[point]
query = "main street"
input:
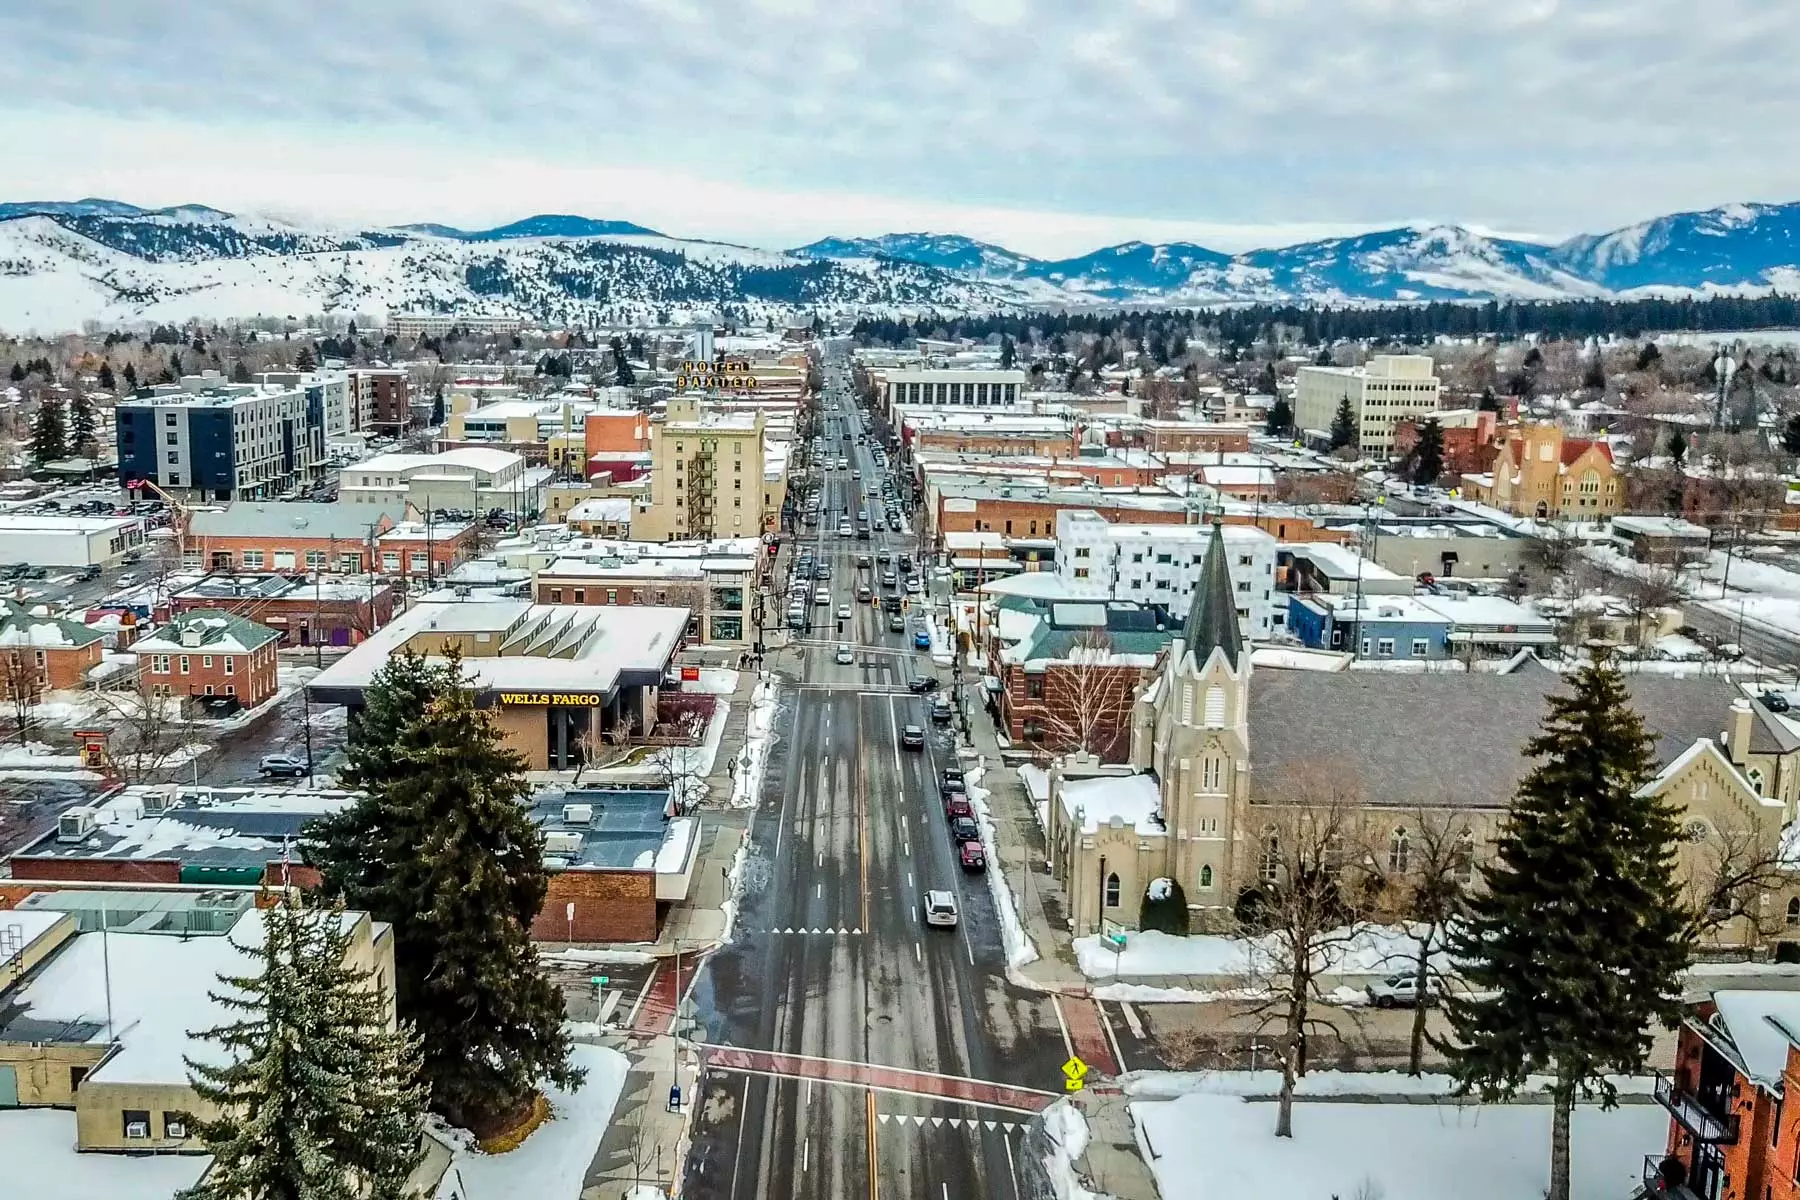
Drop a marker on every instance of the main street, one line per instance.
(852, 1050)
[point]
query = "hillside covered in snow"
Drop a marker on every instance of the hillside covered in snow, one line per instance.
(65, 263)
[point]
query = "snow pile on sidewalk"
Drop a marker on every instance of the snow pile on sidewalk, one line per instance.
(746, 781)
(553, 1161)
(714, 681)
(941, 653)
(734, 876)
(1216, 1147)
(1166, 1085)
(1375, 950)
(1068, 1134)
(1019, 949)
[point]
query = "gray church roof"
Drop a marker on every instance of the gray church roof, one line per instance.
(1412, 740)
(1212, 622)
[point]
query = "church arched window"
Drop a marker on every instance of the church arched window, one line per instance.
(1793, 912)
(1399, 851)
(1206, 875)
(1269, 868)
(1112, 890)
(1215, 707)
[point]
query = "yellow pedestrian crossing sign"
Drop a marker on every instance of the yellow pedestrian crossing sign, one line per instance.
(1074, 1073)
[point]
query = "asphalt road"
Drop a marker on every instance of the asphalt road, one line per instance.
(853, 1051)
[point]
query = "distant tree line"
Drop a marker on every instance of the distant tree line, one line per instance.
(1312, 325)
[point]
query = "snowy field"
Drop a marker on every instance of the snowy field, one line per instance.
(554, 1160)
(37, 1149)
(1219, 1147)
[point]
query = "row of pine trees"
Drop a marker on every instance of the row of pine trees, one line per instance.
(316, 1097)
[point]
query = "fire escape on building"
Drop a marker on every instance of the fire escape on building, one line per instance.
(700, 490)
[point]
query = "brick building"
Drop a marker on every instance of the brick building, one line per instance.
(336, 538)
(1069, 683)
(971, 504)
(209, 652)
(1468, 443)
(1537, 471)
(1730, 1134)
(1181, 436)
(329, 610)
(381, 398)
(41, 653)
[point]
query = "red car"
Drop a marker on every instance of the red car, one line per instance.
(972, 856)
(957, 805)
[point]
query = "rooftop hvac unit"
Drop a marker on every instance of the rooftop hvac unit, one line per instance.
(75, 824)
(562, 845)
(578, 814)
(158, 800)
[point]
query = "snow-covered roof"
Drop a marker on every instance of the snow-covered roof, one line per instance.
(1762, 1025)
(1134, 799)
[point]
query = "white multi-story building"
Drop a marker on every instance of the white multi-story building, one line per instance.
(1390, 388)
(336, 396)
(968, 389)
(1160, 564)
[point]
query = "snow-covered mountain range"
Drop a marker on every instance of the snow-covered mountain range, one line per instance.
(63, 263)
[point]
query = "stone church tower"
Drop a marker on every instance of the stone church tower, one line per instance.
(1191, 726)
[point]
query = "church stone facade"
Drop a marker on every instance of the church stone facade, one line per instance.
(1219, 754)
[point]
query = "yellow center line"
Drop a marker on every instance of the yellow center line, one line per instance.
(874, 1157)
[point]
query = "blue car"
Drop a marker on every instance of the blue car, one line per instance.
(921, 640)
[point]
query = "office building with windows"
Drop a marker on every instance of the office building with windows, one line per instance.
(208, 439)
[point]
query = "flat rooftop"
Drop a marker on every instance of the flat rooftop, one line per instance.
(216, 828)
(629, 830)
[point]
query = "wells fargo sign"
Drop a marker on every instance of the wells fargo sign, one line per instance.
(539, 699)
(721, 375)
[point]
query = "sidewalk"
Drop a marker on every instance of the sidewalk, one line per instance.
(1021, 855)
(1112, 1162)
(645, 1145)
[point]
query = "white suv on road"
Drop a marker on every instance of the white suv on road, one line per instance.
(940, 909)
(1401, 990)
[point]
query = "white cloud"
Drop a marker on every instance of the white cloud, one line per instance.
(1039, 123)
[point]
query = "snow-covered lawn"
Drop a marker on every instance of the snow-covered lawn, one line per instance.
(1372, 951)
(1219, 1147)
(35, 760)
(37, 1148)
(554, 1159)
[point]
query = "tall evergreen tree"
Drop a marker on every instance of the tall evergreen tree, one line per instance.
(1488, 402)
(17, 374)
(1576, 945)
(107, 380)
(1343, 425)
(84, 425)
(1324, 358)
(305, 360)
(130, 374)
(441, 846)
(316, 1097)
(1648, 357)
(1790, 435)
(1428, 456)
(1009, 352)
(1678, 445)
(49, 431)
(1281, 417)
(239, 372)
(622, 372)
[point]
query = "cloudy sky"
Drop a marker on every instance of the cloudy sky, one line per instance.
(1051, 125)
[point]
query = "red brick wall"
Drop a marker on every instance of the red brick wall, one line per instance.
(251, 678)
(993, 515)
(62, 670)
(610, 906)
(1102, 694)
(96, 870)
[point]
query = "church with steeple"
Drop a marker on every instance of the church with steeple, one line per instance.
(1174, 811)
(1215, 756)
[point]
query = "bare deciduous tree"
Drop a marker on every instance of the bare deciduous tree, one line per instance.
(1428, 865)
(1731, 873)
(1087, 698)
(1313, 902)
(147, 731)
(24, 686)
(1649, 592)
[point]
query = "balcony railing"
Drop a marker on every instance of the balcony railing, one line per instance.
(1656, 1188)
(1695, 1117)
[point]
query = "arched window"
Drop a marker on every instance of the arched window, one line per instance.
(1465, 858)
(1112, 891)
(1269, 869)
(1399, 851)
(1793, 914)
(1206, 877)
(1215, 707)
